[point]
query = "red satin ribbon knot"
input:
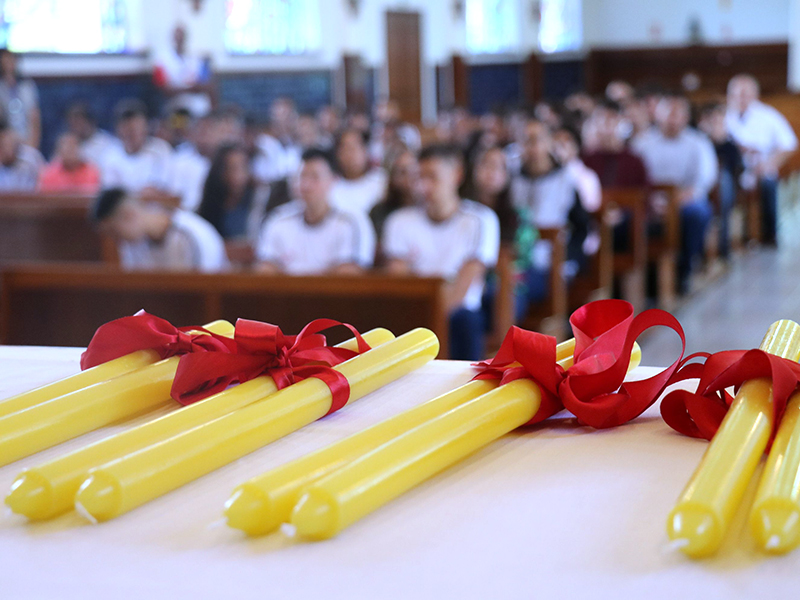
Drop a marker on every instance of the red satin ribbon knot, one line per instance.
(700, 413)
(144, 331)
(263, 349)
(592, 389)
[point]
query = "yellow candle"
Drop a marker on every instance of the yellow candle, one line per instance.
(44, 425)
(49, 489)
(702, 516)
(125, 483)
(775, 517)
(260, 505)
(103, 372)
(384, 472)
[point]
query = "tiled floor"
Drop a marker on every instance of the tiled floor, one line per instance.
(761, 286)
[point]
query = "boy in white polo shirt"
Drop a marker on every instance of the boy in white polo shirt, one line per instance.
(309, 236)
(150, 238)
(451, 238)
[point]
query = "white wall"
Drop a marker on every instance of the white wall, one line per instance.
(631, 22)
(606, 23)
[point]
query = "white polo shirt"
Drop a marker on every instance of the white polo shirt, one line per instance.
(151, 166)
(298, 248)
(440, 249)
(191, 244)
(761, 128)
(359, 195)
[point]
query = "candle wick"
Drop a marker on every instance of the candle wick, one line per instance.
(676, 545)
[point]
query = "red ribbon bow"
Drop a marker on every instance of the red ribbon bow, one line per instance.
(261, 348)
(144, 331)
(592, 389)
(699, 413)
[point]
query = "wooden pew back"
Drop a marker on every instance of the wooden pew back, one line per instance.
(62, 305)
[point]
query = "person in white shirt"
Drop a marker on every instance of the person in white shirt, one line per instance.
(447, 237)
(20, 164)
(183, 76)
(676, 154)
(309, 236)
(96, 144)
(766, 140)
(141, 164)
(359, 188)
(151, 238)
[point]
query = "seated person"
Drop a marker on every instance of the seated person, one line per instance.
(767, 141)
(19, 164)
(545, 196)
(95, 143)
(609, 157)
(141, 163)
(447, 237)
(69, 171)
(360, 187)
(232, 202)
(311, 237)
(402, 190)
(149, 237)
(729, 159)
(676, 154)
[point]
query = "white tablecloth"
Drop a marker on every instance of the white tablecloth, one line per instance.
(554, 511)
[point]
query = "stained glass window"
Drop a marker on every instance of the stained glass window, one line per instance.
(492, 26)
(272, 26)
(560, 27)
(74, 26)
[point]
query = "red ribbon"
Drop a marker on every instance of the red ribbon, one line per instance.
(263, 349)
(592, 389)
(144, 331)
(699, 413)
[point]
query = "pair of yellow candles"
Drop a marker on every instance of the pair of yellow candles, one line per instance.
(324, 492)
(124, 471)
(700, 520)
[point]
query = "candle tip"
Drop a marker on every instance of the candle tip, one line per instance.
(313, 517)
(30, 496)
(695, 530)
(248, 510)
(776, 526)
(98, 498)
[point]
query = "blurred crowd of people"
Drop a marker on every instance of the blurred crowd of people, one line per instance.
(342, 192)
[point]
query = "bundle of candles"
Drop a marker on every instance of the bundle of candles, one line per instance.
(248, 386)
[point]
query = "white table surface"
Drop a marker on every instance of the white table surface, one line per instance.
(555, 511)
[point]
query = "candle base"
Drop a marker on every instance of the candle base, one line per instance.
(314, 517)
(99, 498)
(31, 496)
(697, 529)
(248, 510)
(775, 524)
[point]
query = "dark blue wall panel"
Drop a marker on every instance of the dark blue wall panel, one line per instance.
(562, 78)
(492, 86)
(254, 92)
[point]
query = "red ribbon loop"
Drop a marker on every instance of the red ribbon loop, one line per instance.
(592, 389)
(144, 331)
(263, 349)
(700, 413)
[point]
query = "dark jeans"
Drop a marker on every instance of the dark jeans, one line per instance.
(769, 210)
(467, 334)
(727, 198)
(694, 221)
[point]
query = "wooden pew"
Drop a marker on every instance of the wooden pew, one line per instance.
(550, 315)
(63, 304)
(49, 227)
(664, 250)
(629, 267)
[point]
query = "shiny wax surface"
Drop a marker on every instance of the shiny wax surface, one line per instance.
(125, 483)
(698, 523)
(44, 425)
(47, 490)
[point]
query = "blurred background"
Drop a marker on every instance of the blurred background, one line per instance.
(463, 165)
